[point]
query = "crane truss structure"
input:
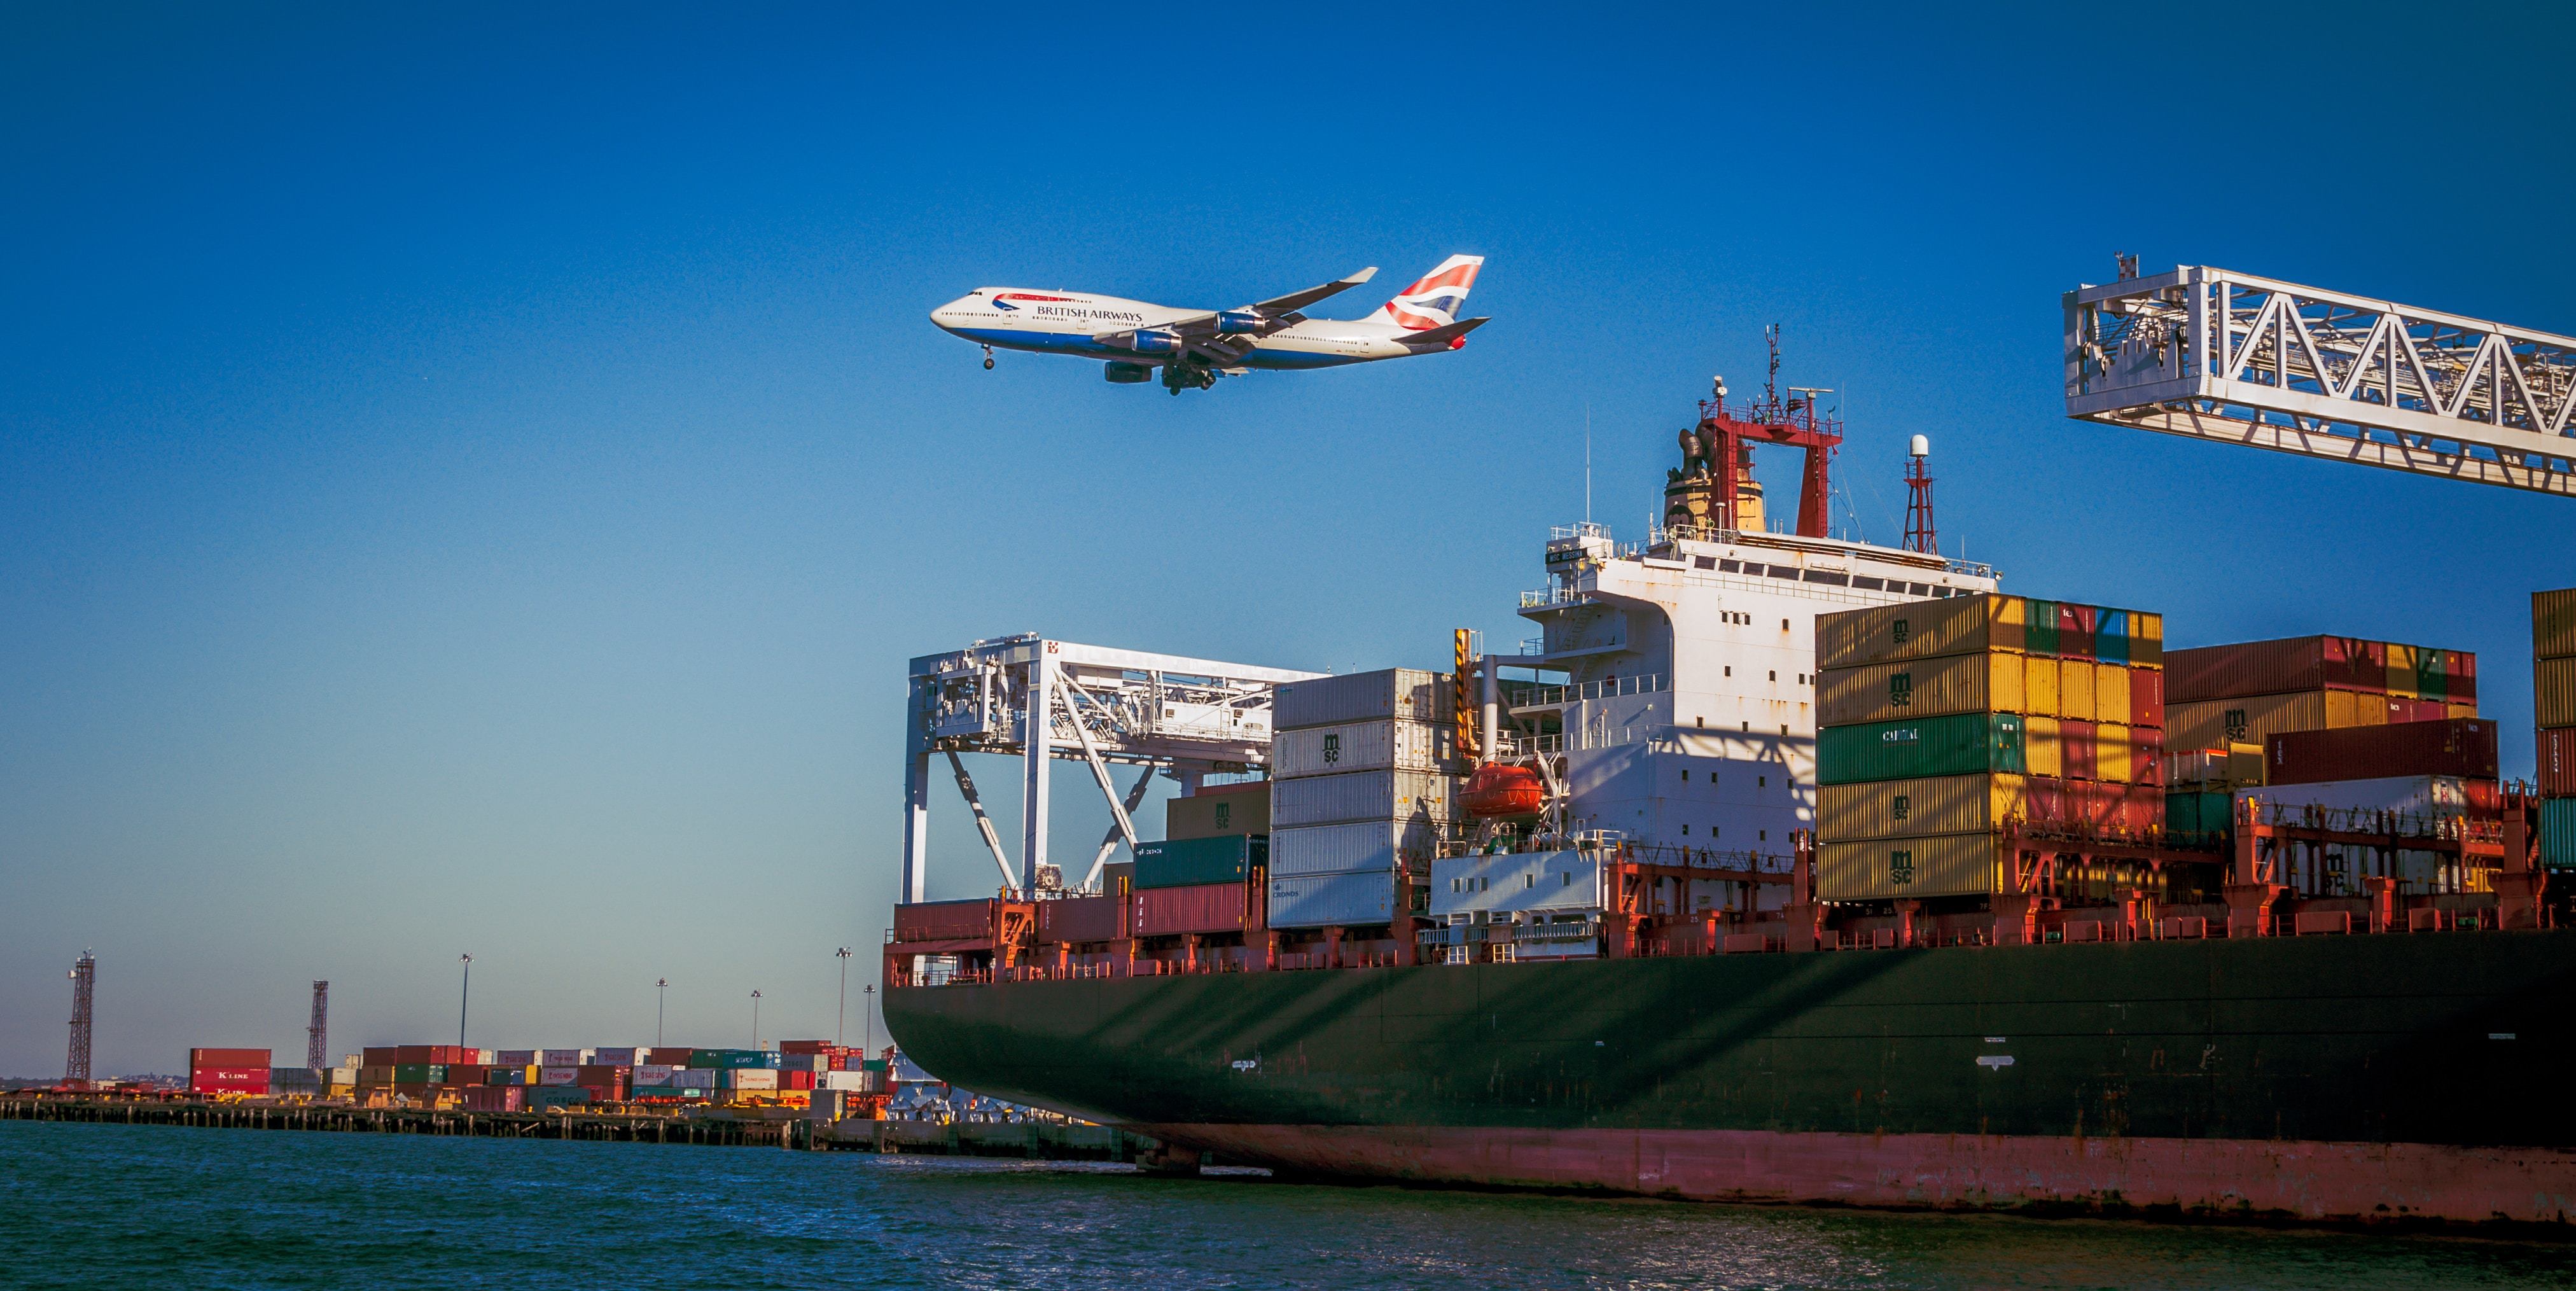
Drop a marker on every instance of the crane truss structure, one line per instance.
(2219, 355)
(1187, 718)
(84, 977)
(317, 1034)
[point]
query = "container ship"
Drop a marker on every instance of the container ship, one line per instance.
(1777, 867)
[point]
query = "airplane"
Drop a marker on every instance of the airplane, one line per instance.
(1194, 347)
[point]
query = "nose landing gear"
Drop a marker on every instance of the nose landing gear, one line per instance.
(988, 358)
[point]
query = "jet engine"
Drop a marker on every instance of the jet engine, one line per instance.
(1151, 342)
(1233, 322)
(1129, 373)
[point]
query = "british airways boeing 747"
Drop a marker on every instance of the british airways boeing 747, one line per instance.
(1193, 347)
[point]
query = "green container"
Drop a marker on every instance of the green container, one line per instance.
(420, 1073)
(1177, 863)
(1960, 744)
(2197, 812)
(2432, 680)
(2039, 626)
(2558, 833)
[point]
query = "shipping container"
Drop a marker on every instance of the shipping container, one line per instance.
(2110, 693)
(653, 1073)
(1117, 877)
(2039, 677)
(1961, 744)
(1935, 687)
(2423, 795)
(563, 1057)
(946, 920)
(2146, 756)
(2462, 668)
(2075, 626)
(2147, 697)
(1183, 862)
(1905, 808)
(228, 1080)
(420, 1073)
(2197, 813)
(515, 1057)
(2132, 637)
(2075, 701)
(2558, 833)
(666, 1057)
(2465, 748)
(2096, 804)
(2558, 763)
(1100, 918)
(295, 1080)
(2043, 747)
(541, 1097)
(1332, 900)
(2293, 664)
(1522, 883)
(1381, 745)
(2402, 676)
(1406, 694)
(495, 1098)
(228, 1058)
(466, 1074)
(2077, 745)
(747, 1078)
(2253, 718)
(1359, 845)
(796, 1079)
(2111, 749)
(379, 1056)
(1919, 630)
(2039, 627)
(559, 1076)
(1933, 866)
(619, 1057)
(2553, 624)
(1361, 795)
(1219, 809)
(807, 1062)
(1199, 908)
(2553, 684)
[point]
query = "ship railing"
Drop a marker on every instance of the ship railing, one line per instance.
(1545, 596)
(1652, 683)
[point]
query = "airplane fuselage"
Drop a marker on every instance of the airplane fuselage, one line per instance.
(1058, 322)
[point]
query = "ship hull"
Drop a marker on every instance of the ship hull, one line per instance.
(2363, 1078)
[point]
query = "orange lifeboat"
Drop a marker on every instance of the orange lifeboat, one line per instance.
(1498, 791)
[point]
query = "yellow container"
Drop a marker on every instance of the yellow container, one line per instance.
(1888, 692)
(1935, 865)
(2039, 685)
(2111, 753)
(2457, 711)
(2111, 692)
(2075, 692)
(2042, 753)
(2401, 670)
(2553, 691)
(1919, 630)
(2553, 624)
(2355, 708)
(1951, 804)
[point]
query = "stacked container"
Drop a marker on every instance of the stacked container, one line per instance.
(1941, 721)
(2244, 693)
(228, 1071)
(1196, 885)
(1217, 810)
(2553, 693)
(1362, 780)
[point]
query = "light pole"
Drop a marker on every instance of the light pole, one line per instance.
(867, 994)
(841, 1028)
(464, 995)
(755, 1019)
(661, 988)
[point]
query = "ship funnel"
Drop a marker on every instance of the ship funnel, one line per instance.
(1919, 446)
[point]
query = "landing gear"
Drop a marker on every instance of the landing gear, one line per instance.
(988, 358)
(1186, 376)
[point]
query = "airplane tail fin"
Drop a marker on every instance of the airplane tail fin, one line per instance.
(1433, 301)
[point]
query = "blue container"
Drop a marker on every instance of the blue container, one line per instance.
(2111, 636)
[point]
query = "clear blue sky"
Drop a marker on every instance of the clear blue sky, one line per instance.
(470, 481)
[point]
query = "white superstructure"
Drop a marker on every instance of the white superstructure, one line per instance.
(1687, 715)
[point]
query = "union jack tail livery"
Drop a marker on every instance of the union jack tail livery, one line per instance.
(1433, 301)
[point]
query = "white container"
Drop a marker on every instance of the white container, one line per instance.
(654, 1073)
(559, 1075)
(515, 1058)
(750, 1078)
(855, 1081)
(1342, 849)
(1361, 746)
(1406, 694)
(1332, 900)
(1360, 795)
(563, 1057)
(1515, 883)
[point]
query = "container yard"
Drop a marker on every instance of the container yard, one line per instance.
(1783, 867)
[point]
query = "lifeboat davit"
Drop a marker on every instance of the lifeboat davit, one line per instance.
(1498, 791)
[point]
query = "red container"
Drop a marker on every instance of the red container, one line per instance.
(495, 1098)
(416, 1055)
(599, 1075)
(380, 1056)
(804, 1046)
(946, 920)
(467, 1074)
(2144, 808)
(796, 1080)
(2416, 710)
(2461, 669)
(2079, 743)
(228, 1080)
(2076, 626)
(2275, 667)
(668, 1057)
(2558, 763)
(2147, 697)
(228, 1058)
(605, 1093)
(1199, 907)
(2147, 759)
(2464, 747)
(1082, 919)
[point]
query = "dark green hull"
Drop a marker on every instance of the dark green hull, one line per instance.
(2448, 1043)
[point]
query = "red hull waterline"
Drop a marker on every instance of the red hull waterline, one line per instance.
(2307, 1181)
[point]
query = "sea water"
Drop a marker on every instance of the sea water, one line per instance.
(106, 1206)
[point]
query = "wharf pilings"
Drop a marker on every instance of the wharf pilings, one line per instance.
(1036, 1140)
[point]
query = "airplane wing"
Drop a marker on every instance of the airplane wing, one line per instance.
(1453, 335)
(1297, 300)
(1275, 313)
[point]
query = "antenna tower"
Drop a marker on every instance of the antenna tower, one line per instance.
(1919, 534)
(84, 977)
(317, 1037)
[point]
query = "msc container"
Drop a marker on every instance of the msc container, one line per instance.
(1100, 918)
(2465, 748)
(1201, 908)
(2276, 667)
(1887, 692)
(2558, 833)
(2558, 763)
(1361, 795)
(1932, 866)
(1961, 744)
(1386, 744)
(1219, 809)
(1405, 694)
(1516, 883)
(945, 920)
(1919, 630)
(1332, 900)
(1176, 863)
(2553, 624)
(1359, 845)
(2553, 692)
(1902, 808)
